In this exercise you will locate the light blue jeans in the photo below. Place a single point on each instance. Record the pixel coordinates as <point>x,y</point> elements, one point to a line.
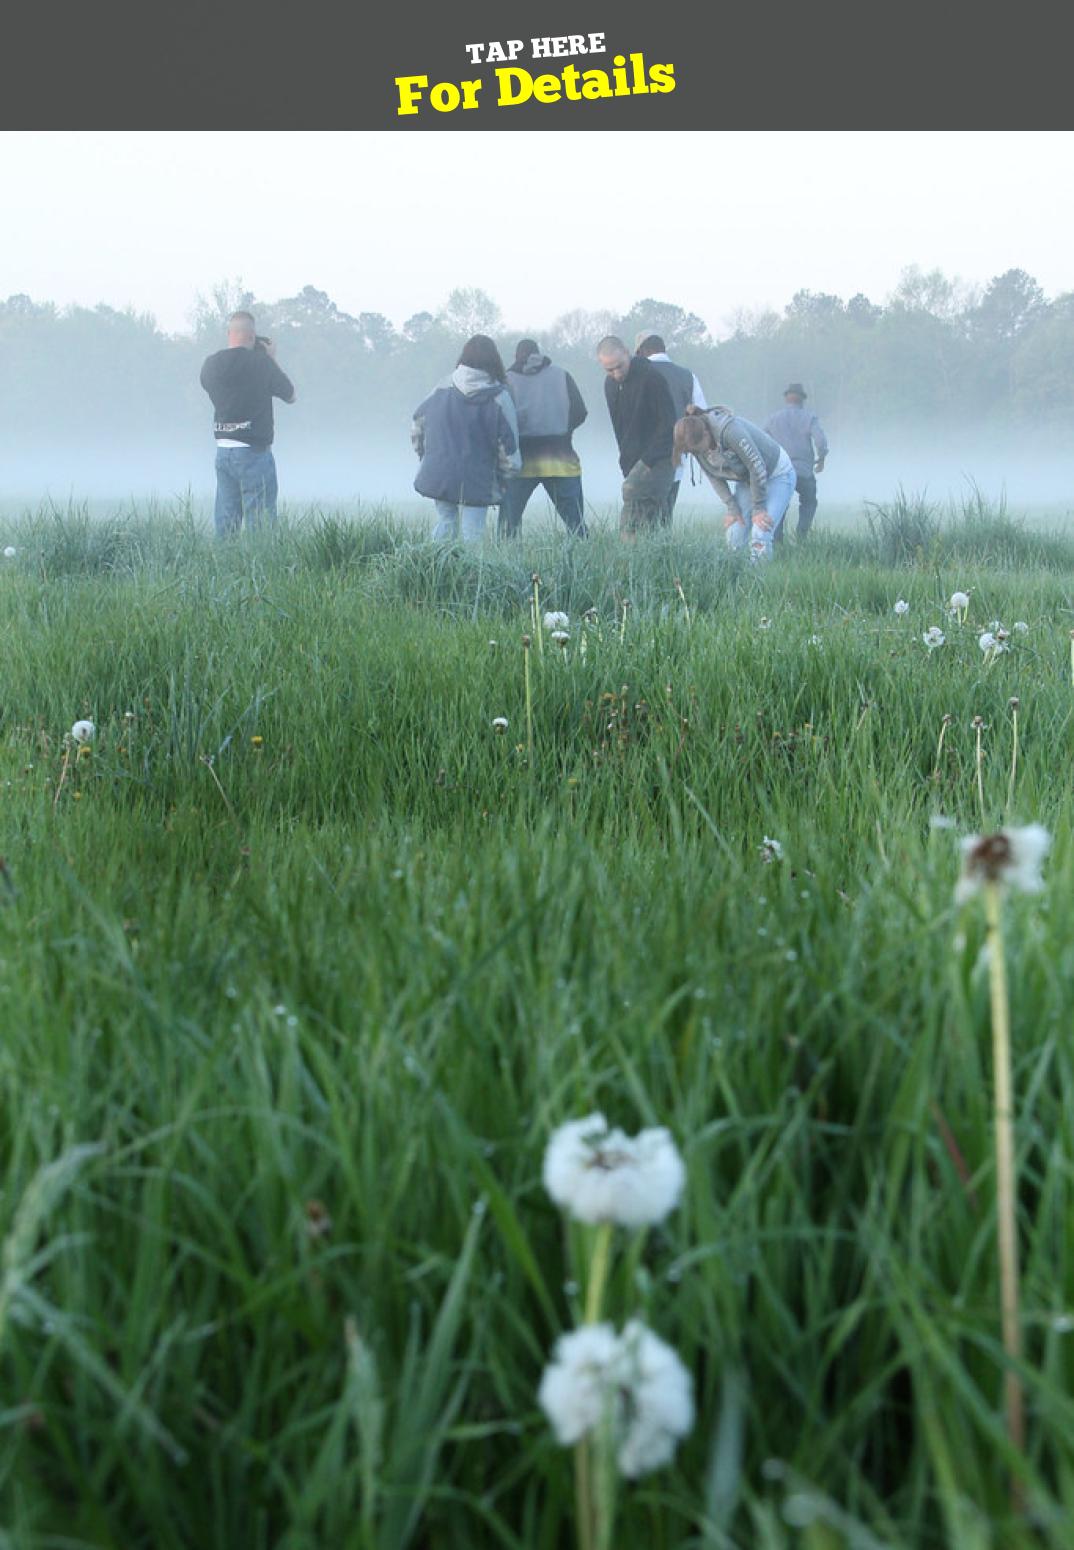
<point>246,489</point>
<point>473,522</point>
<point>781,486</point>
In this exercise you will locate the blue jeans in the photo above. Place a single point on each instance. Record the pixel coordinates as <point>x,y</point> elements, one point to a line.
<point>473,522</point>
<point>780,489</point>
<point>566,493</point>
<point>246,488</point>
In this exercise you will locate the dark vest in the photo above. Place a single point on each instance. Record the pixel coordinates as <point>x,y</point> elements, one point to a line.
<point>681,382</point>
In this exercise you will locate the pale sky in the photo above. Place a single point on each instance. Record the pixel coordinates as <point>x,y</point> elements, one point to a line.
<point>545,222</point>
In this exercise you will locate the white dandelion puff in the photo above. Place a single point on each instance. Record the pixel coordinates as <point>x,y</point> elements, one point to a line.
<point>556,621</point>
<point>958,601</point>
<point>1021,627</point>
<point>10,552</point>
<point>560,637</point>
<point>83,731</point>
<point>1011,857</point>
<point>578,1382</point>
<point>771,850</point>
<point>602,1175</point>
<point>634,1380</point>
<point>987,641</point>
<point>500,724</point>
<point>902,606</point>
<point>934,637</point>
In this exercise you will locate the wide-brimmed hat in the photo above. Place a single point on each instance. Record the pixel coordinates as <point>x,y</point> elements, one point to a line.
<point>795,387</point>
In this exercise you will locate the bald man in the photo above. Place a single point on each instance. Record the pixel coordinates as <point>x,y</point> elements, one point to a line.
<point>242,380</point>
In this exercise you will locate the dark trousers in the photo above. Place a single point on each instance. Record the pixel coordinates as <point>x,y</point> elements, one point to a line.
<point>673,495</point>
<point>806,485</point>
<point>565,491</point>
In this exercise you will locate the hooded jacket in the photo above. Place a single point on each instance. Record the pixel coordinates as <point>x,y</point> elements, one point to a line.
<point>743,453</point>
<point>550,408</point>
<point>466,434</point>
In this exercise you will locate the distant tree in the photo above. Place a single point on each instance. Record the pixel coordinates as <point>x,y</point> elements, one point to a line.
<point>940,295</point>
<point>377,332</point>
<point>862,311</point>
<point>1011,302</point>
<point>814,307</point>
<point>211,312</point>
<point>580,330</point>
<point>470,311</point>
<point>417,326</point>
<point>680,330</point>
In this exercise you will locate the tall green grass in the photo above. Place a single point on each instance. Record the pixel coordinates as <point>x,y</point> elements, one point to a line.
<point>301,964</point>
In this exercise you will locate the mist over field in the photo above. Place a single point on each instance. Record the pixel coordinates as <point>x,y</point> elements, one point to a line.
<point>938,387</point>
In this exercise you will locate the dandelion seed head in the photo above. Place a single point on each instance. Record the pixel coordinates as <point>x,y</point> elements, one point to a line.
<point>556,621</point>
<point>1021,627</point>
<point>902,606</point>
<point>602,1175</point>
<point>10,552</point>
<point>959,600</point>
<point>1010,857</point>
<point>500,724</point>
<point>635,1380</point>
<point>770,850</point>
<point>83,731</point>
<point>934,637</point>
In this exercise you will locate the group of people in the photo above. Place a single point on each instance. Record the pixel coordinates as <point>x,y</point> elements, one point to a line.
<point>487,437</point>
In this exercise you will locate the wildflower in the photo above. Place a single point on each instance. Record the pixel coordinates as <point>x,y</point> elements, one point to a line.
<point>987,641</point>
<point>560,637</point>
<point>1021,626</point>
<point>602,1175</point>
<point>555,621</point>
<point>815,640</point>
<point>500,724</point>
<point>764,624</point>
<point>941,821</point>
<point>83,731</point>
<point>634,1379</point>
<point>257,740</point>
<point>1012,857</point>
<point>771,850</point>
<point>902,606</point>
<point>934,637</point>
<point>958,601</point>
<point>10,552</point>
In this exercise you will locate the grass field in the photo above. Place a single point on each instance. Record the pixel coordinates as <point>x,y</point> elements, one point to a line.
<point>302,962</point>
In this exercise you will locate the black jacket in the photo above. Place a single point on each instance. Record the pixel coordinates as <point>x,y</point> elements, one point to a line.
<point>643,414</point>
<point>242,384</point>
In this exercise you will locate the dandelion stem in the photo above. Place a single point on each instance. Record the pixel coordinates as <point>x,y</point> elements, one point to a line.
<point>980,780</point>
<point>536,610</point>
<point>626,605</point>
<point>63,774</point>
<point>583,1493</point>
<point>529,699</point>
<point>1005,1180</point>
<point>682,596</point>
<point>939,746</point>
<point>598,1272</point>
<point>1014,758</point>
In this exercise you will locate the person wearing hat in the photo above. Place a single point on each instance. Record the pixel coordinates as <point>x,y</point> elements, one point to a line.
<point>550,409</point>
<point>685,389</point>
<point>802,437</point>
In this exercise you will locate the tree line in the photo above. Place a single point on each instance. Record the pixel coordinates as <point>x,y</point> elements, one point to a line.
<point>934,354</point>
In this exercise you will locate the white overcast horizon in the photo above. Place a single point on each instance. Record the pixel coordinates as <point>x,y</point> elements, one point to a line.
<point>545,222</point>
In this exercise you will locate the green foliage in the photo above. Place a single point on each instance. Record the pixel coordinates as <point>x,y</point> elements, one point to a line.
<point>301,964</point>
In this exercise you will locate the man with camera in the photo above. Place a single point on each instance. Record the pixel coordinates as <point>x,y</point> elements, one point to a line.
<point>242,381</point>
